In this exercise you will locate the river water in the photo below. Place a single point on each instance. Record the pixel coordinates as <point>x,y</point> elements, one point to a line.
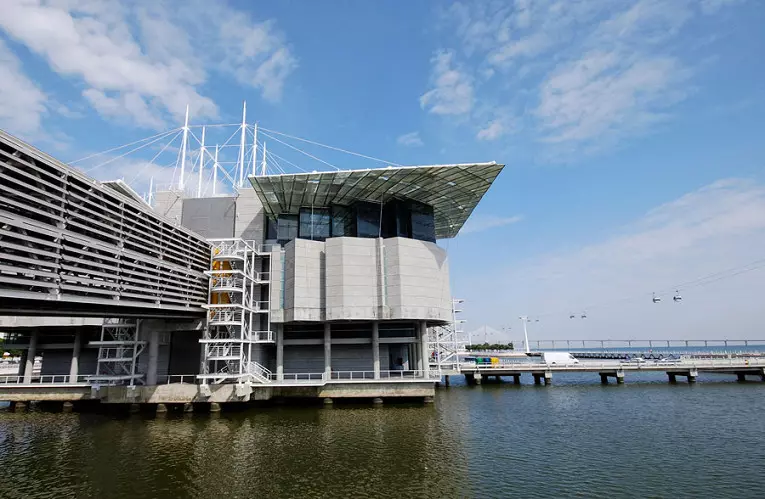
<point>575,438</point>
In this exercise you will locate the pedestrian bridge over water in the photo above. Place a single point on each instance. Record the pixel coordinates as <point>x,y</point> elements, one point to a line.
<point>73,246</point>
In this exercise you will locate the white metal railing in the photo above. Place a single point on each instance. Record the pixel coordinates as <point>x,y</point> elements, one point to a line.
<point>659,365</point>
<point>46,379</point>
<point>263,336</point>
<point>116,353</point>
<point>187,379</point>
<point>223,350</point>
<point>258,371</point>
<point>386,375</point>
<point>225,314</point>
<point>299,377</point>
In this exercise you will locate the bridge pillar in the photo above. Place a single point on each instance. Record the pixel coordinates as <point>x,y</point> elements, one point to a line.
<point>692,375</point>
<point>517,379</point>
<point>548,378</point>
<point>672,377</point>
<point>741,377</point>
<point>603,378</point>
<point>537,378</point>
<point>74,365</point>
<point>619,378</point>
<point>478,378</point>
<point>446,380</point>
<point>31,352</point>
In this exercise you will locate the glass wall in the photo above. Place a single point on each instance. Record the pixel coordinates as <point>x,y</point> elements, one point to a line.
<point>367,219</point>
<point>398,218</point>
<point>314,224</point>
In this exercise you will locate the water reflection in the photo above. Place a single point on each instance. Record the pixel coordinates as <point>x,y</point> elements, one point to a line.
<point>488,441</point>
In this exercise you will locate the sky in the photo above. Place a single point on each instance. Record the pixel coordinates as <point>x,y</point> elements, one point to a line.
<point>632,131</point>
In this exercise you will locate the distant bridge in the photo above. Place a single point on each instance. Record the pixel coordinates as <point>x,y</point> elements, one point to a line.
<point>579,345</point>
<point>72,246</point>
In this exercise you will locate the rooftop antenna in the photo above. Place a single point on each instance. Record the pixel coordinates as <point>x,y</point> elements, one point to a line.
<point>201,164</point>
<point>215,169</point>
<point>263,163</point>
<point>255,150</point>
<point>183,149</point>
<point>241,148</point>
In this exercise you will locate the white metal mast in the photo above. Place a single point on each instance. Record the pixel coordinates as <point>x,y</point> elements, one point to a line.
<point>151,190</point>
<point>215,169</point>
<point>243,144</point>
<point>255,150</point>
<point>183,149</point>
<point>525,319</point>
<point>201,164</point>
<point>263,164</point>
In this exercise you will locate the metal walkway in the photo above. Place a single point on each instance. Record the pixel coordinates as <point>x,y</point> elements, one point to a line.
<point>70,245</point>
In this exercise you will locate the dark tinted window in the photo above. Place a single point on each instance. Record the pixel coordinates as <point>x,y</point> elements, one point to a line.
<point>423,224</point>
<point>367,219</point>
<point>343,221</point>
<point>396,219</point>
<point>270,229</point>
<point>287,228</point>
<point>314,223</point>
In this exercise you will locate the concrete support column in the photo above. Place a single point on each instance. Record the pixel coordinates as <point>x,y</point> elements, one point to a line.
<point>517,379</point>
<point>376,348</point>
<point>327,350</point>
<point>30,361</point>
<point>424,350</point>
<point>151,369</point>
<point>74,366</point>
<point>279,352</point>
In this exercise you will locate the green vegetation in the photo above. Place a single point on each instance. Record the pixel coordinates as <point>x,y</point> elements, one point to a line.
<point>14,353</point>
<point>490,346</point>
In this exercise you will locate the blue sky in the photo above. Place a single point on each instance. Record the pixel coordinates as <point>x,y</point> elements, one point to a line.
<point>632,131</point>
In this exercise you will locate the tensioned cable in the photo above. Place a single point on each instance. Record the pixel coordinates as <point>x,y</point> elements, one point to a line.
<point>301,151</point>
<point>129,152</point>
<point>122,146</point>
<point>331,147</point>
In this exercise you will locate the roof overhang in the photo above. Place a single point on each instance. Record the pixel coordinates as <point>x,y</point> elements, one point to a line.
<point>452,190</point>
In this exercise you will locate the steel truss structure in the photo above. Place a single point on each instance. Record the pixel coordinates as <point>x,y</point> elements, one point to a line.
<point>239,315</point>
<point>445,342</point>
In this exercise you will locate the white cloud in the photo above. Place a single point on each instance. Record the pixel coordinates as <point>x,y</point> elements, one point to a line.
<point>608,94</point>
<point>453,89</point>
<point>683,244</point>
<point>480,223</point>
<point>712,6</point>
<point>145,62</point>
<point>411,139</point>
<point>22,103</point>
<point>493,130</point>
<point>603,71</point>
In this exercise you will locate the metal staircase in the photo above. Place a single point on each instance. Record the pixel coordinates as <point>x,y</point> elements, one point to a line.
<point>238,312</point>
<point>118,352</point>
<point>445,342</point>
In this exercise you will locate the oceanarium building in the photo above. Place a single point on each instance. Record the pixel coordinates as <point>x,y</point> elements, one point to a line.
<point>331,280</point>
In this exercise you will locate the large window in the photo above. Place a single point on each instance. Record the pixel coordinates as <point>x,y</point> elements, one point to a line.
<point>314,224</point>
<point>396,219</point>
<point>423,223</point>
<point>367,219</point>
<point>286,228</point>
<point>271,226</point>
<point>343,221</point>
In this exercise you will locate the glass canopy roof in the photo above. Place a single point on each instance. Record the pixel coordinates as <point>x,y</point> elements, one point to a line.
<point>452,190</point>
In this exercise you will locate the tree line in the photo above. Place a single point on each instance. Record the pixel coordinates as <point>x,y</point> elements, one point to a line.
<point>490,346</point>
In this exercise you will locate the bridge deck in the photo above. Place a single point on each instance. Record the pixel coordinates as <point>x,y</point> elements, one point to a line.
<point>716,365</point>
<point>70,245</point>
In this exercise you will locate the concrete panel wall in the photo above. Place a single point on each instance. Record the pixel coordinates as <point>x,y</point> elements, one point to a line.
<point>277,285</point>
<point>210,217</point>
<point>348,278</point>
<point>417,280</point>
<point>352,278</point>
<point>169,204</point>
<point>250,219</point>
<point>304,298</point>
